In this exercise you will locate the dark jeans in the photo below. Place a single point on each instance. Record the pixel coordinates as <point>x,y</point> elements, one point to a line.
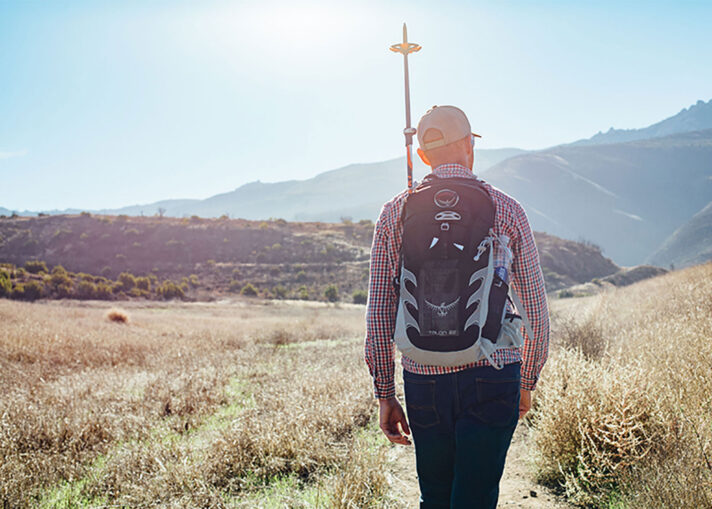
<point>462,425</point>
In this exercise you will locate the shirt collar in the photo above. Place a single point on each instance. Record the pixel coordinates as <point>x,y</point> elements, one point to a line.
<point>453,170</point>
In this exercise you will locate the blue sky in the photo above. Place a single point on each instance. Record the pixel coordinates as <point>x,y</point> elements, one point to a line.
<point>105,104</point>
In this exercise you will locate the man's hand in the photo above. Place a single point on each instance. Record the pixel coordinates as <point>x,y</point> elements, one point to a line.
<point>392,421</point>
<point>525,402</point>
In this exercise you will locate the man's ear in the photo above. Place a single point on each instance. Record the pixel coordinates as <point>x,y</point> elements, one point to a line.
<point>423,157</point>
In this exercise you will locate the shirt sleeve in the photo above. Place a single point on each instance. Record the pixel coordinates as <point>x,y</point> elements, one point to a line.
<point>528,282</point>
<point>381,311</point>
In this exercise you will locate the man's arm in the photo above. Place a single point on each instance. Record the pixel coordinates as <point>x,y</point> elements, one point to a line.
<point>380,323</point>
<point>381,311</point>
<point>528,282</point>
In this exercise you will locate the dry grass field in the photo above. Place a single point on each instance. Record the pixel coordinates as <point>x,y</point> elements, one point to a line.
<point>249,403</point>
<point>623,414</point>
<point>246,404</point>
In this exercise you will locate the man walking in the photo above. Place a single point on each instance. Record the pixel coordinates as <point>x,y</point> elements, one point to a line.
<point>466,384</point>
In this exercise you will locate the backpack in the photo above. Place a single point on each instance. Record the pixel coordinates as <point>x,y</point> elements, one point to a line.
<point>451,301</point>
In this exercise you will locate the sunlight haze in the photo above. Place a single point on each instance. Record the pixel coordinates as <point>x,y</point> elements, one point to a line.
<point>110,104</point>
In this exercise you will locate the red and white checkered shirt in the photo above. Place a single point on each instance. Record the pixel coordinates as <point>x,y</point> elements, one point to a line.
<point>526,278</point>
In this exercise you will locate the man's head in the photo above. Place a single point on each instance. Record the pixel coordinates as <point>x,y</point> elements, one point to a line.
<point>445,137</point>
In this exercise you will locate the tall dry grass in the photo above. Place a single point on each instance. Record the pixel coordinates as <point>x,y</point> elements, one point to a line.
<point>186,405</point>
<point>623,416</point>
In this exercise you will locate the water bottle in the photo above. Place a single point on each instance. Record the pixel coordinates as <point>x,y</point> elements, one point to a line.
<point>502,259</point>
<point>498,293</point>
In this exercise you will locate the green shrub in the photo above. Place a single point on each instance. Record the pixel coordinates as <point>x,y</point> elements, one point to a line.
<point>126,281</point>
<point>280,292</point>
<point>248,290</point>
<point>18,293</point>
<point>33,290</point>
<point>103,291</point>
<point>143,283</point>
<point>36,266</point>
<point>86,290</point>
<point>565,294</point>
<point>86,277</point>
<point>170,290</point>
<point>137,292</point>
<point>303,293</point>
<point>235,286</point>
<point>5,284</point>
<point>331,293</point>
<point>60,282</point>
<point>301,276</point>
<point>360,296</point>
<point>194,280</point>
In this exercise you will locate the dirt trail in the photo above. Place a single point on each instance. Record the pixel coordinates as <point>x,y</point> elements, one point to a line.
<point>517,488</point>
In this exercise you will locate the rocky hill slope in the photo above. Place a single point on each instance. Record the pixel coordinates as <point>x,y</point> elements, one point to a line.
<point>690,244</point>
<point>278,258</point>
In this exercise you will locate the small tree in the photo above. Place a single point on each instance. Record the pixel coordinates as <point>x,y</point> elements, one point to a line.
<point>280,292</point>
<point>248,290</point>
<point>360,296</point>
<point>103,291</point>
<point>86,290</point>
<point>126,281</point>
<point>170,290</point>
<point>5,284</point>
<point>143,283</point>
<point>36,266</point>
<point>331,293</point>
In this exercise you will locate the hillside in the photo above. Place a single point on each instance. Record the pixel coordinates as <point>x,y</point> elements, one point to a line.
<point>690,244</point>
<point>300,258</point>
<point>625,197</point>
<point>697,117</point>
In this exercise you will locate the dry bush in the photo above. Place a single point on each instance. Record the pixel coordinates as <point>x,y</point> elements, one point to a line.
<point>117,315</point>
<point>592,425</point>
<point>362,482</point>
<point>634,423</point>
<point>585,336</point>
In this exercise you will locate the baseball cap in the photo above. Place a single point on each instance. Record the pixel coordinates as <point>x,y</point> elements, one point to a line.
<point>449,123</point>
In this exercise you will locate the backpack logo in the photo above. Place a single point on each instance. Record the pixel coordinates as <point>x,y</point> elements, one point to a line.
<point>446,198</point>
<point>443,309</point>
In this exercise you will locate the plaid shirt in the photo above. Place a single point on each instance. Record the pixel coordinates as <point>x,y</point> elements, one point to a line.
<point>526,279</point>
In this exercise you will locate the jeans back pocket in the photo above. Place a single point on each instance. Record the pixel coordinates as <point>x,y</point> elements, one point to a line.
<point>420,402</point>
<point>497,400</point>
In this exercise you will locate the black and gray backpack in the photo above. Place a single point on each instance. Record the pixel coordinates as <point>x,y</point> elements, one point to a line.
<point>452,303</point>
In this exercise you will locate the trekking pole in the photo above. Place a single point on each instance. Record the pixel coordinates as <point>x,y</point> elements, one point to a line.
<point>405,48</point>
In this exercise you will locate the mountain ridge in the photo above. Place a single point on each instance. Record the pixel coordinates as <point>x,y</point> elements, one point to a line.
<point>696,117</point>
